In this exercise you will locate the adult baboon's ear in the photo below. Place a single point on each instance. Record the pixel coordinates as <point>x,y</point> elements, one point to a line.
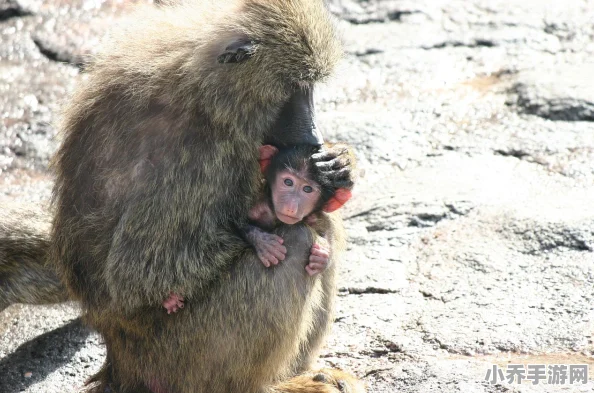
<point>341,196</point>
<point>266,154</point>
<point>237,51</point>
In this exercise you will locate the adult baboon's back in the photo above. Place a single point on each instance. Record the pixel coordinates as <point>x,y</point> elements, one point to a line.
<point>157,170</point>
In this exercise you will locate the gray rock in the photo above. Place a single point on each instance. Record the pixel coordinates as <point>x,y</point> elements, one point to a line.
<point>11,9</point>
<point>565,92</point>
<point>374,11</point>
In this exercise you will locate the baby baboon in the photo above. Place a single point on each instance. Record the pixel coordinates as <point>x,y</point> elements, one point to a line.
<point>157,169</point>
<point>293,191</point>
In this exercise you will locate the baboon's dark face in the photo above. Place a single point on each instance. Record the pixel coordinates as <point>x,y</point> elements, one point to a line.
<point>270,62</point>
<point>296,122</point>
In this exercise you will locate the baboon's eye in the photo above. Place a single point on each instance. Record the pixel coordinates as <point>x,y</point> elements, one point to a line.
<point>238,51</point>
<point>307,189</point>
<point>288,182</point>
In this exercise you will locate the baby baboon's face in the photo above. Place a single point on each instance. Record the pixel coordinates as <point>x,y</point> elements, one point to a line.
<point>294,196</point>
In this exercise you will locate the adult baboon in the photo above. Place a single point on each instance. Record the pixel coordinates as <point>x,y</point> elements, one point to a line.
<point>158,169</point>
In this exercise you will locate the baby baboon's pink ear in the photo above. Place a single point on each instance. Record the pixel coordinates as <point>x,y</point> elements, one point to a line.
<point>266,154</point>
<point>341,196</point>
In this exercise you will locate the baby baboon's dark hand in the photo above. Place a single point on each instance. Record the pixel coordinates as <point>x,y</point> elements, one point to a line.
<point>336,164</point>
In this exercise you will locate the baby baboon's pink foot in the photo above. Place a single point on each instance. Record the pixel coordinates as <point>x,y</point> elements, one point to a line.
<point>173,303</point>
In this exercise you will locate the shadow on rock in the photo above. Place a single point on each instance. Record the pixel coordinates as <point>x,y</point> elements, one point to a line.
<point>36,359</point>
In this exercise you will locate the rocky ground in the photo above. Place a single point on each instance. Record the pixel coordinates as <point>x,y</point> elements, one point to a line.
<point>472,230</point>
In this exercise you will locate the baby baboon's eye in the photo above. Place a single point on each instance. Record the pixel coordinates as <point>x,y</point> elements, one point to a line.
<point>288,182</point>
<point>307,189</point>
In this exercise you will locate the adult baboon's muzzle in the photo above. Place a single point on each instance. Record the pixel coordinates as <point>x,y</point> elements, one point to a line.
<point>296,123</point>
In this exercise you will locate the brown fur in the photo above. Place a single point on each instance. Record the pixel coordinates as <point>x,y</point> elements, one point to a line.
<point>24,244</point>
<point>157,167</point>
<point>158,116</point>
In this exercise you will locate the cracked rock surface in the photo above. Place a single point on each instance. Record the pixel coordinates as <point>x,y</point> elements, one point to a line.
<point>471,233</point>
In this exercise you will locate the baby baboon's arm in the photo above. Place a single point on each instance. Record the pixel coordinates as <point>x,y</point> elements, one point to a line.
<point>268,246</point>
